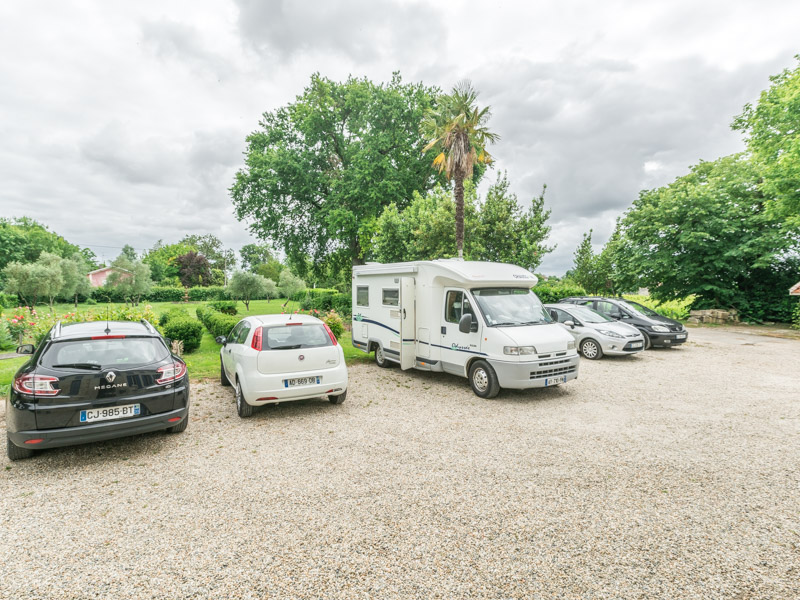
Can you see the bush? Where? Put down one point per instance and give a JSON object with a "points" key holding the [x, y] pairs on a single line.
{"points": [[796, 316], [216, 322], [555, 292], [214, 292], [227, 307], [334, 321], [174, 313], [311, 293], [6, 341], [342, 303], [166, 294], [674, 309], [91, 301], [8, 301], [185, 329]]}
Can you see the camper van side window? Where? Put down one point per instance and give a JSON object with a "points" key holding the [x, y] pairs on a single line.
{"points": [[456, 304], [391, 297], [362, 295]]}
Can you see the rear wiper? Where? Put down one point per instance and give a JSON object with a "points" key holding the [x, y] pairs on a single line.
{"points": [[286, 347], [78, 366]]}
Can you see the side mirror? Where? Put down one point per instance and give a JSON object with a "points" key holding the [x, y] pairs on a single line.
{"points": [[465, 324], [570, 324], [221, 339], [25, 349]]}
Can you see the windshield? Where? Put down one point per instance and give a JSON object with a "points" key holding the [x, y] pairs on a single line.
{"points": [[94, 354], [639, 308], [586, 315], [511, 306]]}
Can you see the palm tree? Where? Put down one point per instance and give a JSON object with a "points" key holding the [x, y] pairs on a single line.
{"points": [[457, 129]]}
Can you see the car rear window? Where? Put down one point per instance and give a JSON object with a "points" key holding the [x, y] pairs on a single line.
{"points": [[290, 337], [118, 352]]}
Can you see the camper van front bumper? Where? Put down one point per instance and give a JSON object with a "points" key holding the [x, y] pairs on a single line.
{"points": [[525, 375]]}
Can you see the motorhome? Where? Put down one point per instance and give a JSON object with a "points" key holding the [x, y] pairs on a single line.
{"points": [[479, 320]]}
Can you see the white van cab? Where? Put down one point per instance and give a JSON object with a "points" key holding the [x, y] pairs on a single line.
{"points": [[479, 320]]}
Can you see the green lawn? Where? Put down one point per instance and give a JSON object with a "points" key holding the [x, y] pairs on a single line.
{"points": [[203, 362]]}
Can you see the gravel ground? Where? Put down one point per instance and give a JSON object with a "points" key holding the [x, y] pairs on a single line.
{"points": [[672, 474]]}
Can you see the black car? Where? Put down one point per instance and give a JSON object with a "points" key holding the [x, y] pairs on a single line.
{"points": [[88, 382], [658, 330]]}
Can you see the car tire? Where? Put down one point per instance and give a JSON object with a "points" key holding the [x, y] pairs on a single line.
{"points": [[380, 358], [647, 343], [243, 409], [180, 426], [15, 452], [591, 349], [483, 379], [223, 379], [338, 398]]}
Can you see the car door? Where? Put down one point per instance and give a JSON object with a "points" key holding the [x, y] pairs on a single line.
{"points": [[457, 348], [227, 350], [562, 316]]}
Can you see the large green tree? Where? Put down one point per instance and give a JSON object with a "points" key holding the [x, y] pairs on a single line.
{"points": [[133, 281], [246, 286], [318, 168], [162, 259], [212, 248], [254, 255], [772, 130], [23, 240], [457, 132]]}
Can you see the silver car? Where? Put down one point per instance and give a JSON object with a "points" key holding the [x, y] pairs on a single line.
{"points": [[596, 334]]}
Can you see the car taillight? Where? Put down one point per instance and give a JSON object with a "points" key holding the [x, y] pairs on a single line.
{"points": [[256, 343], [330, 333], [172, 372], [40, 385]]}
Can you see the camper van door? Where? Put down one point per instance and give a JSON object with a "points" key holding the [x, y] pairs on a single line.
{"points": [[408, 320]]}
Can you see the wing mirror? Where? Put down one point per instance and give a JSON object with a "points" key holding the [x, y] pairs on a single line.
{"points": [[221, 339], [570, 324], [25, 349], [467, 324]]}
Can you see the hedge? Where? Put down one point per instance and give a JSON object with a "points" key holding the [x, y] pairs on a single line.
{"points": [[8, 300], [227, 307], [311, 292], [185, 329], [214, 292], [326, 299], [172, 314], [553, 293], [216, 322]]}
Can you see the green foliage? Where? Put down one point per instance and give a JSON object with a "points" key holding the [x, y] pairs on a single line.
{"points": [[772, 130], [185, 329], [553, 292], [708, 234], [255, 255], [216, 322], [210, 246], [290, 285], [248, 286], [91, 301], [270, 269], [342, 303], [227, 307], [674, 309], [164, 294], [6, 341], [162, 260], [335, 322], [23, 240], [206, 293], [43, 323], [132, 280], [321, 299], [8, 300], [171, 314], [193, 269], [796, 316], [33, 280], [318, 168]]}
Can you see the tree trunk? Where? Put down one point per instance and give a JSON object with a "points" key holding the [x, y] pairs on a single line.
{"points": [[459, 193], [355, 252], [76, 300]]}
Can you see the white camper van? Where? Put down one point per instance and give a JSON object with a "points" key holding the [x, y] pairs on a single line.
{"points": [[479, 320]]}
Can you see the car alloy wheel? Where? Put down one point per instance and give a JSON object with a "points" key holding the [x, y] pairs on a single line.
{"points": [[591, 350]]}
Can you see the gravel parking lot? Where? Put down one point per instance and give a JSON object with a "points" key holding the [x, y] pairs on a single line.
{"points": [[672, 474]]}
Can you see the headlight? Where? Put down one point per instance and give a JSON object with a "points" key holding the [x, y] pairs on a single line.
{"points": [[612, 334], [660, 328], [519, 350], [571, 345]]}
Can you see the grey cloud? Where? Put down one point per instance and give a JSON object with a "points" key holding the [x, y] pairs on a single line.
{"points": [[171, 40], [361, 30]]}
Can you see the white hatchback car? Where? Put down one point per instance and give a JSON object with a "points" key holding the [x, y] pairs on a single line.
{"points": [[595, 333], [279, 358]]}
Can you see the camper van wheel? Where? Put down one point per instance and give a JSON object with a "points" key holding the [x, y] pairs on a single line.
{"points": [[380, 358], [483, 379]]}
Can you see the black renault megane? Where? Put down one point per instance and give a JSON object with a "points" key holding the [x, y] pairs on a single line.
{"points": [[88, 382]]}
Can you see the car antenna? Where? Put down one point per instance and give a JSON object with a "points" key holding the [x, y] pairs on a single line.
{"points": [[108, 330]]}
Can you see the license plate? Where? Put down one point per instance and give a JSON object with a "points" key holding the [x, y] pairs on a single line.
{"points": [[555, 380], [680, 336], [636, 344], [111, 412], [302, 381]]}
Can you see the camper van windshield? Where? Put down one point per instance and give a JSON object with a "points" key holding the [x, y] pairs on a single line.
{"points": [[511, 306]]}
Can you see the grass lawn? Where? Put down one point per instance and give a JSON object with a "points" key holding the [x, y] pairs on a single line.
{"points": [[203, 362]]}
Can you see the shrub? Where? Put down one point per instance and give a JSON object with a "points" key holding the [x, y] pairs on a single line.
{"points": [[674, 309], [796, 316], [214, 292], [335, 322], [216, 322], [342, 303], [174, 313], [165, 294], [227, 307], [6, 342], [187, 330], [8, 300], [555, 292], [91, 301]]}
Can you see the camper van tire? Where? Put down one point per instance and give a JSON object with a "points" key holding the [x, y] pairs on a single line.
{"points": [[338, 398], [380, 357], [243, 409], [483, 379]]}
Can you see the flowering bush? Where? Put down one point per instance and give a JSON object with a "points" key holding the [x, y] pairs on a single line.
{"points": [[38, 328], [334, 321]]}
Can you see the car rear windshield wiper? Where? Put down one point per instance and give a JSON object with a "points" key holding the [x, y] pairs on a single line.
{"points": [[295, 347], [92, 366]]}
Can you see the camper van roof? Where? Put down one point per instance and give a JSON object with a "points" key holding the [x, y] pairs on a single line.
{"points": [[488, 273]]}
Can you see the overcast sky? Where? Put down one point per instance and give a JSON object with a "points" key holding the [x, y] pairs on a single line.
{"points": [[125, 122]]}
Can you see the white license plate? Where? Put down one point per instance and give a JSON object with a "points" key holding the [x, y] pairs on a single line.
{"points": [[555, 380], [636, 344], [680, 336], [302, 381], [111, 412]]}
